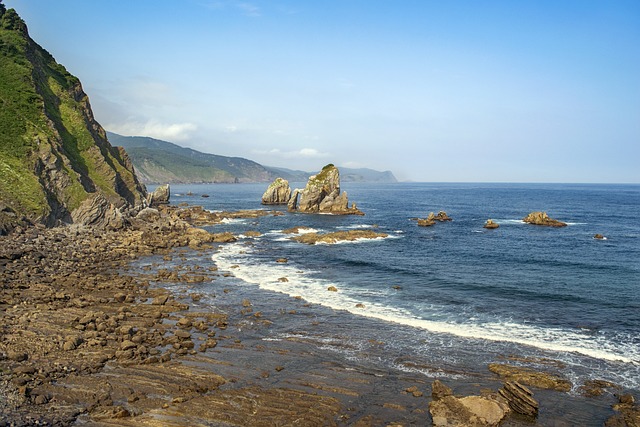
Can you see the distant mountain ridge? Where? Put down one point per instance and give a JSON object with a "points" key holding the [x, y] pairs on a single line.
{"points": [[159, 162]]}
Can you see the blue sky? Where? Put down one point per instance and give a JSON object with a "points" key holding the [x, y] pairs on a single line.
{"points": [[504, 91]]}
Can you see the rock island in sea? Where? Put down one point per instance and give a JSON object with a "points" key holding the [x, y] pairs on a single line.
{"points": [[322, 195]]}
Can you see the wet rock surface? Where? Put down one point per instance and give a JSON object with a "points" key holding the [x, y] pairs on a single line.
{"points": [[88, 338]]}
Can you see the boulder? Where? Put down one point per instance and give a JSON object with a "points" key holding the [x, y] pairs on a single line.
{"points": [[278, 193], [160, 196], [322, 195], [541, 218], [470, 411], [491, 225]]}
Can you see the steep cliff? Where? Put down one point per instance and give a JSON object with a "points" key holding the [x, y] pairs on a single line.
{"points": [[54, 156]]}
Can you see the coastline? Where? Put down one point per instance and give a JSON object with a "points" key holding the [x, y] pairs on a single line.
{"points": [[89, 338]]}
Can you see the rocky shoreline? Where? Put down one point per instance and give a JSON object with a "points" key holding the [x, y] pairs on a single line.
{"points": [[86, 339]]}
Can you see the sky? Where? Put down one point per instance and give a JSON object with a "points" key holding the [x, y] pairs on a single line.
{"points": [[435, 91]]}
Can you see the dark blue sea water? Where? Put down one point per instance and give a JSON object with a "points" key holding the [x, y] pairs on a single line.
{"points": [[456, 296]]}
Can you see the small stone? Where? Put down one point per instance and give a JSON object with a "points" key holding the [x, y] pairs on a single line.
{"points": [[282, 260], [40, 399], [182, 334], [68, 346], [127, 344], [17, 356], [332, 289], [119, 297], [160, 300], [184, 323], [627, 399]]}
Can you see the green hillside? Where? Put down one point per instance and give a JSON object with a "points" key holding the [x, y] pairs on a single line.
{"points": [[159, 161], [53, 155]]}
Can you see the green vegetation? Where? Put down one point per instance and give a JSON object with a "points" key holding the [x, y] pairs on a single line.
{"points": [[163, 162], [52, 152]]}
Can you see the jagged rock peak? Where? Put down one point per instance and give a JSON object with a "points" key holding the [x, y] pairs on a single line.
{"points": [[160, 196], [278, 193], [322, 195]]}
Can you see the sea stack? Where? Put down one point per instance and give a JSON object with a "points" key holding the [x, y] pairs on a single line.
{"points": [[278, 193], [322, 195], [541, 218]]}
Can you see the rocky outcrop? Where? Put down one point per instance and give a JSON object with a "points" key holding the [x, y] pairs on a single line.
{"points": [[470, 411], [98, 212], [520, 398], [432, 218], [491, 225], [530, 377], [322, 195], [160, 196], [541, 218], [338, 236], [278, 193], [55, 155]]}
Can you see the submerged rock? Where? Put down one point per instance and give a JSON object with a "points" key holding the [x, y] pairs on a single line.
{"points": [[278, 193], [541, 218], [322, 195]]}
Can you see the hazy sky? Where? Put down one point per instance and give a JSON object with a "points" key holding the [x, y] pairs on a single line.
{"points": [[541, 91]]}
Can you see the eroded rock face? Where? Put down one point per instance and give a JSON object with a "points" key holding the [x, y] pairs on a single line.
{"points": [[98, 212], [322, 195], [160, 196], [278, 193], [541, 218]]}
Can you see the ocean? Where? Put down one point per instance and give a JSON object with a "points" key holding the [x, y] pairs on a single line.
{"points": [[447, 300]]}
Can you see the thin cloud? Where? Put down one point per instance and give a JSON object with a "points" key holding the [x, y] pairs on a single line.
{"points": [[249, 9], [155, 129], [306, 153]]}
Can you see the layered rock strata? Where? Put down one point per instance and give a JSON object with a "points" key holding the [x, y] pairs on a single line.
{"points": [[520, 398]]}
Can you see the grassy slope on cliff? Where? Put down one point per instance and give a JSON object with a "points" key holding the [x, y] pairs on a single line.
{"points": [[53, 155], [21, 120]]}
